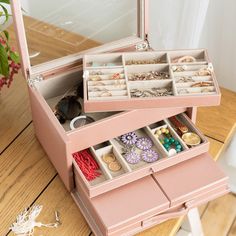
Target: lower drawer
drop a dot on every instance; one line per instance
(130, 172)
(143, 203)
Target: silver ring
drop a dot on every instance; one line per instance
(86, 118)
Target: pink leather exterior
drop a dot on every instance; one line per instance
(146, 16)
(192, 113)
(52, 138)
(126, 205)
(143, 203)
(190, 178)
(161, 102)
(21, 38)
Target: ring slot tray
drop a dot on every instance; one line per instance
(129, 172)
(152, 79)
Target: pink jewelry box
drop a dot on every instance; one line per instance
(47, 84)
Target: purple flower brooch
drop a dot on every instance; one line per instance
(132, 143)
(129, 138)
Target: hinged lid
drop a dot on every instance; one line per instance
(53, 34)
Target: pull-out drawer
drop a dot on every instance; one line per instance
(148, 201)
(122, 210)
(128, 172)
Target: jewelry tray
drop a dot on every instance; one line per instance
(112, 80)
(109, 180)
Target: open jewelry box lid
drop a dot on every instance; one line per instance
(54, 35)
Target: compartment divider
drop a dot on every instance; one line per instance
(156, 142)
(127, 82)
(173, 81)
(123, 60)
(120, 158)
(191, 126)
(175, 135)
(101, 164)
(168, 58)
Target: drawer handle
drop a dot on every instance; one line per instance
(162, 217)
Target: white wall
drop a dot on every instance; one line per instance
(176, 23)
(208, 24)
(219, 36)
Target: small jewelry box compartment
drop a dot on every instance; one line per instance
(151, 79)
(137, 154)
(148, 201)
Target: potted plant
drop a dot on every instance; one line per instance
(9, 58)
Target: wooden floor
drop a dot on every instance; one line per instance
(28, 178)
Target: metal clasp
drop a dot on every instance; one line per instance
(32, 81)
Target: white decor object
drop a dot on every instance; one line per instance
(26, 221)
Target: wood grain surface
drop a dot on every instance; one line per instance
(15, 112)
(216, 122)
(57, 198)
(24, 174)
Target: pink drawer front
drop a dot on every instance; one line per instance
(144, 203)
(125, 207)
(190, 179)
(131, 172)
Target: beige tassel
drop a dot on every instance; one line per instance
(26, 222)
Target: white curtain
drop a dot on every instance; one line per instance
(208, 24)
(177, 23)
(219, 36)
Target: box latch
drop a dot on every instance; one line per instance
(36, 79)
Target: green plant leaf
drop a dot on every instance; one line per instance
(5, 12)
(5, 1)
(15, 57)
(4, 67)
(6, 35)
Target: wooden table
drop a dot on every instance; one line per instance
(28, 178)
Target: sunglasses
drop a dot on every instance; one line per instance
(69, 107)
